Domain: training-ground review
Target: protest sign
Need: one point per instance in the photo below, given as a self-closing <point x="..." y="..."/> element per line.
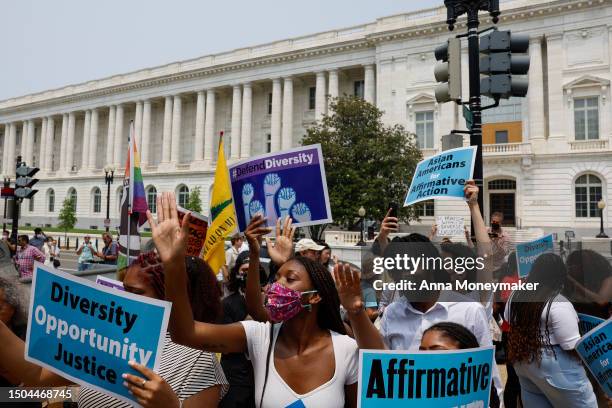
<point x="442" y="175"/>
<point x="425" y="379"/>
<point x="198" y="225"/>
<point x="288" y="183"/>
<point x="87" y="333"/>
<point x="595" y="350"/>
<point x="109" y="283"/>
<point x="450" y="225"/>
<point x="586" y="323"/>
<point x="528" y="252"/>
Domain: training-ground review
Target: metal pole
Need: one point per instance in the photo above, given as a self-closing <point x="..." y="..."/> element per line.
<point x="7" y="184"/>
<point x="107" y="201"/>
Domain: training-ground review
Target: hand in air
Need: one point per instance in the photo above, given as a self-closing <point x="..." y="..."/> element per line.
<point x="168" y="235"/>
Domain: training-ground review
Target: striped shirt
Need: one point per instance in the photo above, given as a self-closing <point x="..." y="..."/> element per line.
<point x="187" y="371"/>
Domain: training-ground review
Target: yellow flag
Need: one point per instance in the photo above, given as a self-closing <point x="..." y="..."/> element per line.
<point x="222" y="215"/>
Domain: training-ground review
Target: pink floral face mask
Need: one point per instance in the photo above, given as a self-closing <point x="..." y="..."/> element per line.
<point x="284" y="303"/>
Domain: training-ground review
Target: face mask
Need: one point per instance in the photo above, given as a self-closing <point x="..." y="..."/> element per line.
<point x="284" y="303"/>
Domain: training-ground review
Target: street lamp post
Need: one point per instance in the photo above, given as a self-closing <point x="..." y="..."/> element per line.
<point x="7" y="184"/>
<point x="601" y="204"/>
<point x="109" y="173"/>
<point x="361" y="212"/>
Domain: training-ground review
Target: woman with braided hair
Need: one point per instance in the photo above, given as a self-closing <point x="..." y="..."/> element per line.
<point x="541" y="341"/>
<point x="300" y="353"/>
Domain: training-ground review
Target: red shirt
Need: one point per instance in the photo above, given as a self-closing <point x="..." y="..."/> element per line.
<point x="25" y="260"/>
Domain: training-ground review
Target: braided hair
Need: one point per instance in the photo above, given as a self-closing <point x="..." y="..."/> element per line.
<point x="328" y="314"/>
<point x="464" y="338"/>
<point x="150" y="265"/>
<point x="525" y="341"/>
<point x="203" y="290"/>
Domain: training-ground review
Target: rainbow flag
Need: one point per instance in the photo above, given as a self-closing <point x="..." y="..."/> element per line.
<point x="133" y="205"/>
<point x="222" y="215"/>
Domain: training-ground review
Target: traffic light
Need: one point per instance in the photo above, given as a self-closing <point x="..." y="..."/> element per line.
<point x="500" y="63"/>
<point x="448" y="71"/>
<point x="24" y="181"/>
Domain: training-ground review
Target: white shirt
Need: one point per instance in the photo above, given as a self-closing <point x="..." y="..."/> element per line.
<point x="562" y="323"/>
<point x="278" y="393"/>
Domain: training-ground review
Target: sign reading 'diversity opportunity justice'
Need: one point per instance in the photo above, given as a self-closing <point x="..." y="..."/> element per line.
<point x="288" y="183"/>
<point x="595" y="349"/>
<point x="442" y="175"/>
<point x="528" y="252"/>
<point x="586" y="323"/>
<point x="428" y="379"/>
<point x="87" y="332"/>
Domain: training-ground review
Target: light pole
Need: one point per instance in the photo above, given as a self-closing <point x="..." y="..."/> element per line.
<point x="109" y="172"/>
<point x="7" y="185"/>
<point x="601" y="204"/>
<point x="361" y="212"/>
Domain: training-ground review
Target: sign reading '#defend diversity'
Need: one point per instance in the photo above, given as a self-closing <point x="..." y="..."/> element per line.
<point x="88" y="332"/>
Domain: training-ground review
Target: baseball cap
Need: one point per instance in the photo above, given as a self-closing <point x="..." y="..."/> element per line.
<point x="306" y="244"/>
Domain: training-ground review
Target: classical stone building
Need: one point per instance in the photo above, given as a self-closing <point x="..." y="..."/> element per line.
<point x="548" y="157"/>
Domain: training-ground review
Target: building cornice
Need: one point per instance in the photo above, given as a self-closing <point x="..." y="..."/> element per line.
<point x="422" y="23"/>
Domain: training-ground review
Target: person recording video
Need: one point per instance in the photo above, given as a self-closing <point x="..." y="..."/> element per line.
<point x="499" y="239"/>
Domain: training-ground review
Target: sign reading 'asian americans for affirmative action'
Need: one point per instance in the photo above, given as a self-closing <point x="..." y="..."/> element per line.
<point x="88" y="332"/>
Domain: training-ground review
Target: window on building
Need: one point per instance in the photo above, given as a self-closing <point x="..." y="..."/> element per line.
<point x="152" y="199"/>
<point x="358" y="89"/>
<point x="268" y="143"/>
<point x="501" y="136"/>
<point x="183" y="196"/>
<point x="424" y="208"/>
<point x="97" y="201"/>
<point x="119" y="199"/>
<point x="312" y="97"/>
<point x="586" y="118"/>
<point x="31" y="205"/>
<point x="502" y="184"/>
<point x="72" y="195"/>
<point x="425" y="129"/>
<point x="50" y="200"/>
<point x="509" y="110"/>
<point x="270" y="103"/>
<point x="587" y="194"/>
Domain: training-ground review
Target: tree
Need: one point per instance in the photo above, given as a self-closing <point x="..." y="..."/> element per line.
<point x="194" y="203"/>
<point x="67" y="216"/>
<point x="366" y="163"/>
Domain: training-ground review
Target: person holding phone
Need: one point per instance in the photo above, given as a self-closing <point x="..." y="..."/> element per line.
<point x="86" y="252"/>
<point x="499" y="240"/>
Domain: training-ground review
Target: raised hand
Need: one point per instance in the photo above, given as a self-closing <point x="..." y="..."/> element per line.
<point x="286" y="198"/>
<point x="471" y="191"/>
<point x="388" y="225"/>
<point x="168" y="235"/>
<point x="272" y="184"/>
<point x="348" y="284"/>
<point x="256" y="208"/>
<point x="282" y="249"/>
<point x="255" y="230"/>
<point x="301" y="212"/>
<point x="247" y="195"/>
<point x="150" y="391"/>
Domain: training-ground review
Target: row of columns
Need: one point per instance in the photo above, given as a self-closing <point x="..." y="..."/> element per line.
<point x="281" y="123"/>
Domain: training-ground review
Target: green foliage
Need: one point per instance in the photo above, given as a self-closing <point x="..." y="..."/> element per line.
<point x="67" y="216"/>
<point x="366" y="163"/>
<point x="194" y="203"/>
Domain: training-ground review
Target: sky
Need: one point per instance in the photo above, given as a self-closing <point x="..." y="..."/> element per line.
<point x="50" y="44"/>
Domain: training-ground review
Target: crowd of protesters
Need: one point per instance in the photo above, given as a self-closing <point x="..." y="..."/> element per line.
<point x="283" y="321"/>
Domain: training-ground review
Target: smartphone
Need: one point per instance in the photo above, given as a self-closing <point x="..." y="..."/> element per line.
<point x="393" y="207"/>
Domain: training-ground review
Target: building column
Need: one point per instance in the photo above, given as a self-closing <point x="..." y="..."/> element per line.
<point x="275" y="125"/>
<point x="287" y="139"/>
<point x="86" y="133"/>
<point x="369" y="84"/>
<point x="199" y="127"/>
<point x="118" y="136"/>
<point x="7" y="132"/>
<point x="247" y="117"/>
<point x="93" y="139"/>
<point x="236" y="122"/>
<point x="334" y="87"/>
<point x="70" y="141"/>
<point x="177" y="112"/>
<point x="320" y="96"/>
<point x="146" y="133"/>
<point x="24" y="137"/>
<point x="535" y="94"/>
<point x="49" y="143"/>
<point x="138" y="125"/>
<point x="556" y="101"/>
<point x="29" y="156"/>
<point x="167" y="134"/>
<point x="110" y="135"/>
<point x="12" y="149"/>
<point x="209" y="126"/>
<point x="63" y="142"/>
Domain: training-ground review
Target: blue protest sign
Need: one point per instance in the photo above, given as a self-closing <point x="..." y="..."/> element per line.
<point x="586" y="323"/>
<point x="87" y="332"/>
<point x="528" y="252"/>
<point x="288" y="183"/>
<point x="425" y="379"/>
<point x="442" y="175"/>
<point x="595" y="350"/>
